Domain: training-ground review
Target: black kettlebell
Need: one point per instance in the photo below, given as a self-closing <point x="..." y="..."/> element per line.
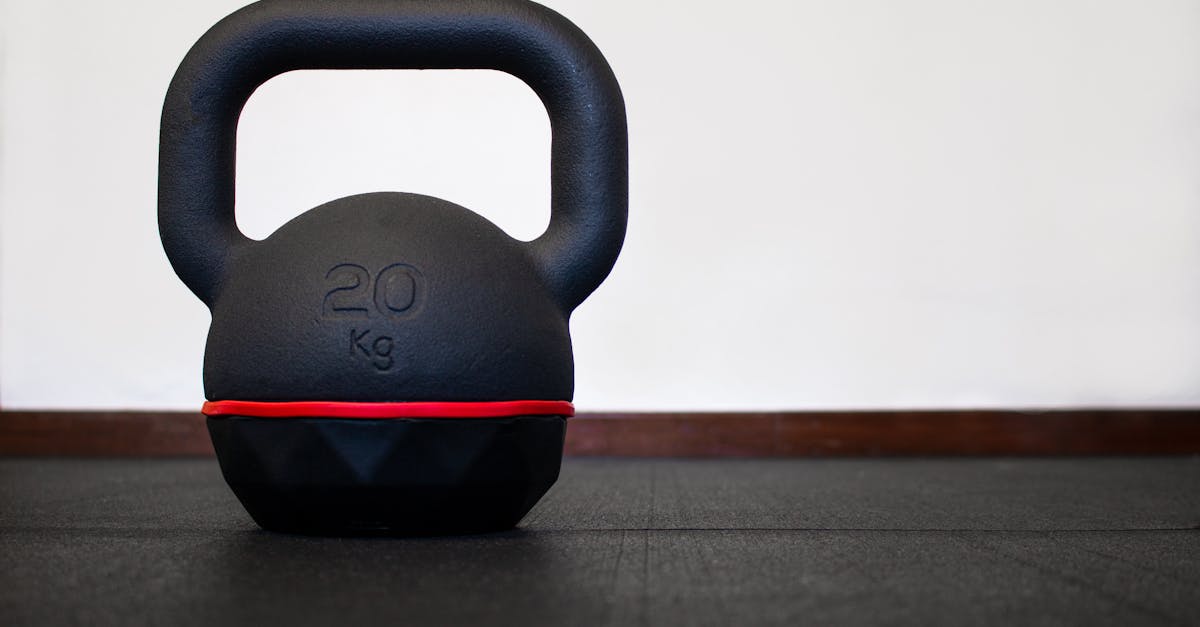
<point x="390" y="362"/>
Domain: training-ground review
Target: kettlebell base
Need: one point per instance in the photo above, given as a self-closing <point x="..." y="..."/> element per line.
<point x="439" y="476"/>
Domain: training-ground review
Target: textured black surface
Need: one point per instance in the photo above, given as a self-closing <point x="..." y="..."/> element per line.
<point x="589" y="152"/>
<point x="388" y="296"/>
<point x="439" y="476"/>
<point x="391" y="296"/>
<point x="291" y="325"/>
<point x="620" y="542"/>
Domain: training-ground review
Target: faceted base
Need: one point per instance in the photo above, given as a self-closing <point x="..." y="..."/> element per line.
<point x="328" y="476"/>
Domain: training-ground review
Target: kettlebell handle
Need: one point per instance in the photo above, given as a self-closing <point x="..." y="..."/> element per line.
<point x="589" y="146"/>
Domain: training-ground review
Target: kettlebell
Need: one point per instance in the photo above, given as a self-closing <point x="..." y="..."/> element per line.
<point x="391" y="363"/>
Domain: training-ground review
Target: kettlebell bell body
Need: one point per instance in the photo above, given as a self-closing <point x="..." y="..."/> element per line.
<point x="391" y="362"/>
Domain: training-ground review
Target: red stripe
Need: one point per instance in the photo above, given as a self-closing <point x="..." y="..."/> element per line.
<point x="334" y="409"/>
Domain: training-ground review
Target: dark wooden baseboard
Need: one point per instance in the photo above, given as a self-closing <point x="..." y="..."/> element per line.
<point x="734" y="434"/>
<point x="104" y="434"/>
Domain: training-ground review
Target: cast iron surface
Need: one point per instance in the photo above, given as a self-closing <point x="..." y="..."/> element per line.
<point x="627" y="542"/>
<point x="390" y="296"/>
<point x="306" y="316"/>
<point x="323" y="476"/>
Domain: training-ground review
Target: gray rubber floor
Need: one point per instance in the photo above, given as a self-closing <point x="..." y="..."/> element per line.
<point x="629" y="542"/>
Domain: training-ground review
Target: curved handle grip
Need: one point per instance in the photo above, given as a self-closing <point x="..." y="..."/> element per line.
<point x="589" y="149"/>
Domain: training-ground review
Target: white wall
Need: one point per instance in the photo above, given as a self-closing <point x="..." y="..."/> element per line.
<point x="837" y="204"/>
